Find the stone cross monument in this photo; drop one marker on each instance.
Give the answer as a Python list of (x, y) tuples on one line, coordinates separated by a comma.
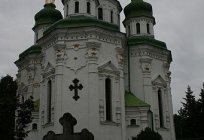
[(68, 122)]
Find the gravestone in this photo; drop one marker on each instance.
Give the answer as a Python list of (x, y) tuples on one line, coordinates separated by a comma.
[(68, 122)]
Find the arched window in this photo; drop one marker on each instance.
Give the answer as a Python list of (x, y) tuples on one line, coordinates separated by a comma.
[(49, 100), (111, 16), (128, 30), (108, 99), (148, 31), (133, 122), (138, 28), (67, 10), (34, 126), (76, 7), (100, 13), (161, 117), (88, 5)]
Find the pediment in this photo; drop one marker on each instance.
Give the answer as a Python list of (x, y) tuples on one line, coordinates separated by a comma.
[(49, 67), (108, 67), (159, 80), (49, 70)]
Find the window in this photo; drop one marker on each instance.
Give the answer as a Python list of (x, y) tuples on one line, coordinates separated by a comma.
[(138, 28), (100, 13), (108, 99), (88, 7), (76, 7), (49, 100), (36, 35), (128, 30), (148, 31), (161, 118), (133, 122), (111, 14), (34, 126), (67, 10)]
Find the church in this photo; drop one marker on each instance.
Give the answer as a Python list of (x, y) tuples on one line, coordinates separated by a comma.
[(115, 84)]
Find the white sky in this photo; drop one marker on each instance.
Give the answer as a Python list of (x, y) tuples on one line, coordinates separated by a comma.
[(180, 23)]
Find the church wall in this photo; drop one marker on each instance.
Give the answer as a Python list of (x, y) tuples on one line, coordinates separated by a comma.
[(79, 62), (153, 74)]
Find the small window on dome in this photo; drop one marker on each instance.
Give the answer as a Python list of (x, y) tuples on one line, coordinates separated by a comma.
[(138, 28), (76, 7), (100, 13), (88, 7), (148, 31)]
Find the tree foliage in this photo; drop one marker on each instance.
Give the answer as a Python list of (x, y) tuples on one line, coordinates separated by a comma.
[(11, 109), (24, 117), (148, 134), (8, 104), (189, 123)]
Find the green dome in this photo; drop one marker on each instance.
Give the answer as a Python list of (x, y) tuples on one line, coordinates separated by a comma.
[(138, 8), (47, 15)]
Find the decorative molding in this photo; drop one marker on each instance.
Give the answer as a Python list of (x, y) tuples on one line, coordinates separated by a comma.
[(120, 56), (159, 81), (150, 52), (109, 68), (22, 88), (76, 57), (118, 112), (93, 49), (60, 52), (48, 71), (101, 110), (146, 65)]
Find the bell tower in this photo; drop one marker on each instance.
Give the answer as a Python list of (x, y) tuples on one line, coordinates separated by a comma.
[(149, 61)]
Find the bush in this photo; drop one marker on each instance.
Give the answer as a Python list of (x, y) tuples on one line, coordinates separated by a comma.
[(148, 134)]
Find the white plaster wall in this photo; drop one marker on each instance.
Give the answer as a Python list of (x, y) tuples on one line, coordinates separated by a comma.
[(86, 108), (142, 87), (143, 26), (107, 6)]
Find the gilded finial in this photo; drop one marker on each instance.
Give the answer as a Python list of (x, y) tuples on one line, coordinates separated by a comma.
[(49, 1)]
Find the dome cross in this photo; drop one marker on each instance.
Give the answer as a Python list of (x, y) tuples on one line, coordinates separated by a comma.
[(49, 1)]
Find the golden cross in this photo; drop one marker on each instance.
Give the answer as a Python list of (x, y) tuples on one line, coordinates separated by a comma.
[(49, 1)]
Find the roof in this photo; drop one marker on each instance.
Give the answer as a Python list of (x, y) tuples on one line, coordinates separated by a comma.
[(82, 21), (132, 101), (138, 8), (138, 40), (47, 15), (35, 49)]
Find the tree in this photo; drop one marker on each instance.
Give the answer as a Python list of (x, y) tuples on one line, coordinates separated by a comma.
[(8, 103), (148, 134), (24, 117), (200, 124), (188, 114), (178, 126), (189, 106)]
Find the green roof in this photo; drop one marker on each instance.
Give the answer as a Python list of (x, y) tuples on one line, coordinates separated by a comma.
[(138, 8), (35, 49), (139, 40), (82, 21), (37, 105), (132, 101), (48, 15)]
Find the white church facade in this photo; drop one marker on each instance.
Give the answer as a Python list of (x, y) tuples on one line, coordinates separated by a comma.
[(115, 84)]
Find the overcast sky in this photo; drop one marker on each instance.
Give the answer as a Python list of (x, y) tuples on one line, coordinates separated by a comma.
[(179, 23)]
